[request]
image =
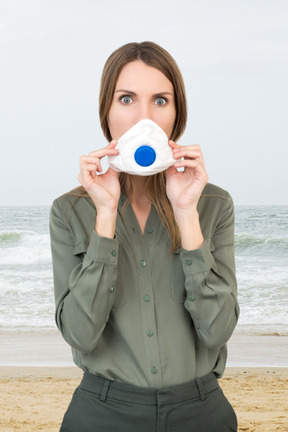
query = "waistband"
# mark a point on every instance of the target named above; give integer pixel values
(197, 388)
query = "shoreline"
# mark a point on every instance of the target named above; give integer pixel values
(38, 379)
(47, 348)
(74, 372)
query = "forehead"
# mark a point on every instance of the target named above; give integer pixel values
(138, 75)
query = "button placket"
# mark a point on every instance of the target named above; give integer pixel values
(147, 309)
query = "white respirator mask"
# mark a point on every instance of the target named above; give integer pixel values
(143, 150)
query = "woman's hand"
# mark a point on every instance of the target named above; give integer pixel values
(104, 189)
(184, 188)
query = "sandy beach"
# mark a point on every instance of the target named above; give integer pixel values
(37, 380)
(35, 398)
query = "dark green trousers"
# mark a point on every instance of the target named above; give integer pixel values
(100, 405)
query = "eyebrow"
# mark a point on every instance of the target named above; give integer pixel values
(134, 94)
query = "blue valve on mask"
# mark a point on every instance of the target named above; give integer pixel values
(143, 150)
(145, 156)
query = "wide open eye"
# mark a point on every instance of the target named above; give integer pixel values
(160, 101)
(126, 99)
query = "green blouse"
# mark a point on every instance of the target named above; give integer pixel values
(131, 310)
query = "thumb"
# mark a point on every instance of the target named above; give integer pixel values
(171, 171)
(112, 172)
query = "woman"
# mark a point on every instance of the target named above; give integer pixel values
(144, 269)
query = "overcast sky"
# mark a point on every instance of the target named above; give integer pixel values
(234, 59)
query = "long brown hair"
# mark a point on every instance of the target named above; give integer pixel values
(156, 56)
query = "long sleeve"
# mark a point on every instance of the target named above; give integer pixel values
(210, 281)
(130, 309)
(84, 282)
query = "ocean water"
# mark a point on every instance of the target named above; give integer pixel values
(26, 284)
(261, 236)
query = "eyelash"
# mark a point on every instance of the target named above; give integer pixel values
(128, 96)
(123, 97)
(164, 98)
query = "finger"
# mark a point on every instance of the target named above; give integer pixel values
(88, 168)
(106, 151)
(112, 172)
(112, 144)
(190, 163)
(191, 167)
(188, 152)
(87, 178)
(174, 145)
(194, 147)
(86, 161)
(171, 170)
(171, 143)
(84, 179)
(90, 165)
(88, 172)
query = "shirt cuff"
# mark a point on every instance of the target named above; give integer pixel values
(198, 260)
(103, 249)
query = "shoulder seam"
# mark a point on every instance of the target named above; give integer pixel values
(62, 213)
